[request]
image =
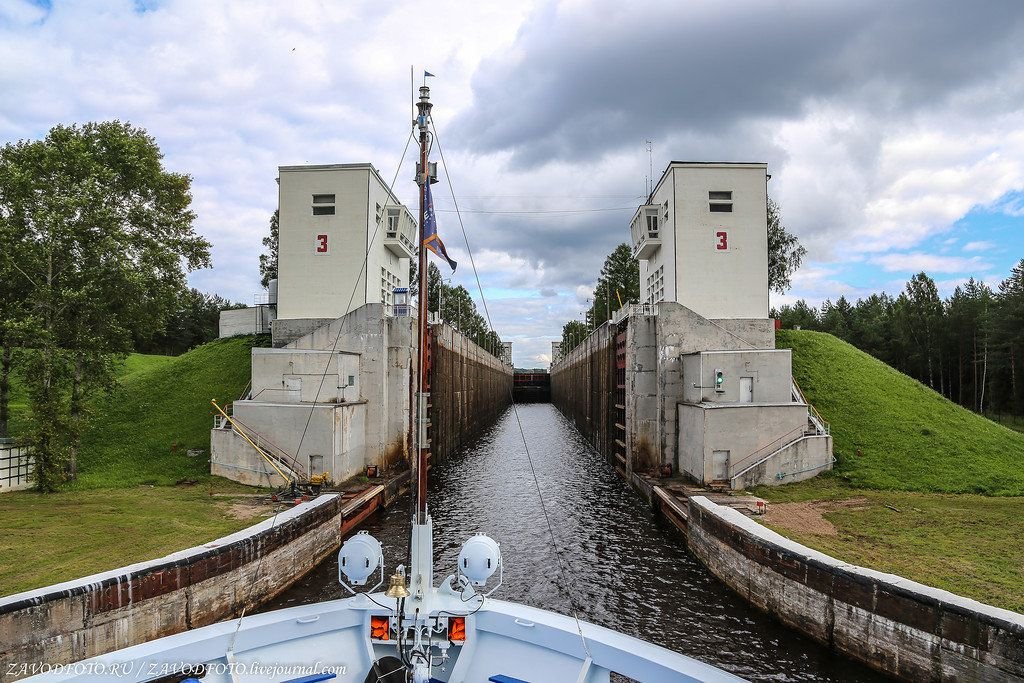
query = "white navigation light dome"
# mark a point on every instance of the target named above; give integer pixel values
(479, 558)
(359, 557)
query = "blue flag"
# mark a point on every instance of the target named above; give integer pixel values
(431, 240)
(427, 73)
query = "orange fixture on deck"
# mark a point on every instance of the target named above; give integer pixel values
(380, 628)
(457, 629)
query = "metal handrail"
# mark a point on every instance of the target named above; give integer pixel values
(769, 448)
(261, 443)
(815, 416)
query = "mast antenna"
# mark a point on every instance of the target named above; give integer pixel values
(650, 163)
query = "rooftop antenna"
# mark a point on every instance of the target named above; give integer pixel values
(650, 162)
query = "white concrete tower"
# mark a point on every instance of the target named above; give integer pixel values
(328, 216)
(702, 240)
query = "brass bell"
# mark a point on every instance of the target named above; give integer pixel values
(396, 587)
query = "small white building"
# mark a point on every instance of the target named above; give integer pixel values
(331, 217)
(702, 240)
(506, 352)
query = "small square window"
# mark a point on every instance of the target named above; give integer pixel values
(323, 199)
(720, 194)
(720, 208)
(323, 210)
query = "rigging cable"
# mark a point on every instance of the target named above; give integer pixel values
(566, 577)
(323, 377)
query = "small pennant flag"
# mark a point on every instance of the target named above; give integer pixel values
(427, 73)
(431, 240)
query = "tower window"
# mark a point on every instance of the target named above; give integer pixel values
(720, 201)
(323, 205)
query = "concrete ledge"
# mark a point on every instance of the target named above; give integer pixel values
(111, 610)
(897, 626)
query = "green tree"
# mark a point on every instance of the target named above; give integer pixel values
(619, 281)
(268, 259)
(920, 312)
(1008, 333)
(798, 316)
(457, 308)
(102, 234)
(785, 254)
(573, 332)
(195, 320)
(837, 318)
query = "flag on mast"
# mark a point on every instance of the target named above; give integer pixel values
(431, 240)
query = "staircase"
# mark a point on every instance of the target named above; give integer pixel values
(278, 458)
(815, 428)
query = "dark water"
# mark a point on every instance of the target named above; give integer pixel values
(625, 567)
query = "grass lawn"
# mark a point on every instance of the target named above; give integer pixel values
(58, 537)
(903, 495)
(124, 507)
(966, 544)
(893, 433)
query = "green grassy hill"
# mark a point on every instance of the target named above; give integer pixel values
(141, 431)
(892, 432)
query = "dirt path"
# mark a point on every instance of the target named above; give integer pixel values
(808, 517)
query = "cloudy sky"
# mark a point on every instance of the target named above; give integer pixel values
(894, 131)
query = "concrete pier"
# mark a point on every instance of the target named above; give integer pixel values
(336, 399)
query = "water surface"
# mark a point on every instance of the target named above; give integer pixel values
(625, 567)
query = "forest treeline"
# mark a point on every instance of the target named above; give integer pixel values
(968, 347)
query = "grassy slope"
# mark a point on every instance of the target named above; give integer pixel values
(140, 433)
(133, 364)
(909, 437)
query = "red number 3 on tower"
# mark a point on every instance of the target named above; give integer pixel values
(321, 244)
(723, 240)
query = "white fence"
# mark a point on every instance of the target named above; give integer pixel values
(15, 466)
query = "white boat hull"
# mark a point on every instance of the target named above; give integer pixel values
(502, 638)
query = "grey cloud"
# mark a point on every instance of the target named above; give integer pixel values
(577, 93)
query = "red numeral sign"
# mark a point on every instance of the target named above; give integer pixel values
(722, 243)
(321, 244)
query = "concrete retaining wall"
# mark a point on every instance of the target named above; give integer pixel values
(583, 388)
(469, 390)
(96, 614)
(890, 623)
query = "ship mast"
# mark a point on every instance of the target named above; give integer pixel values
(422, 395)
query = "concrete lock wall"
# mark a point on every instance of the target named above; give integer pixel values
(469, 390)
(97, 614)
(770, 371)
(583, 380)
(895, 625)
(583, 388)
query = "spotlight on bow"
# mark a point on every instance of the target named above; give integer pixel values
(479, 558)
(358, 559)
